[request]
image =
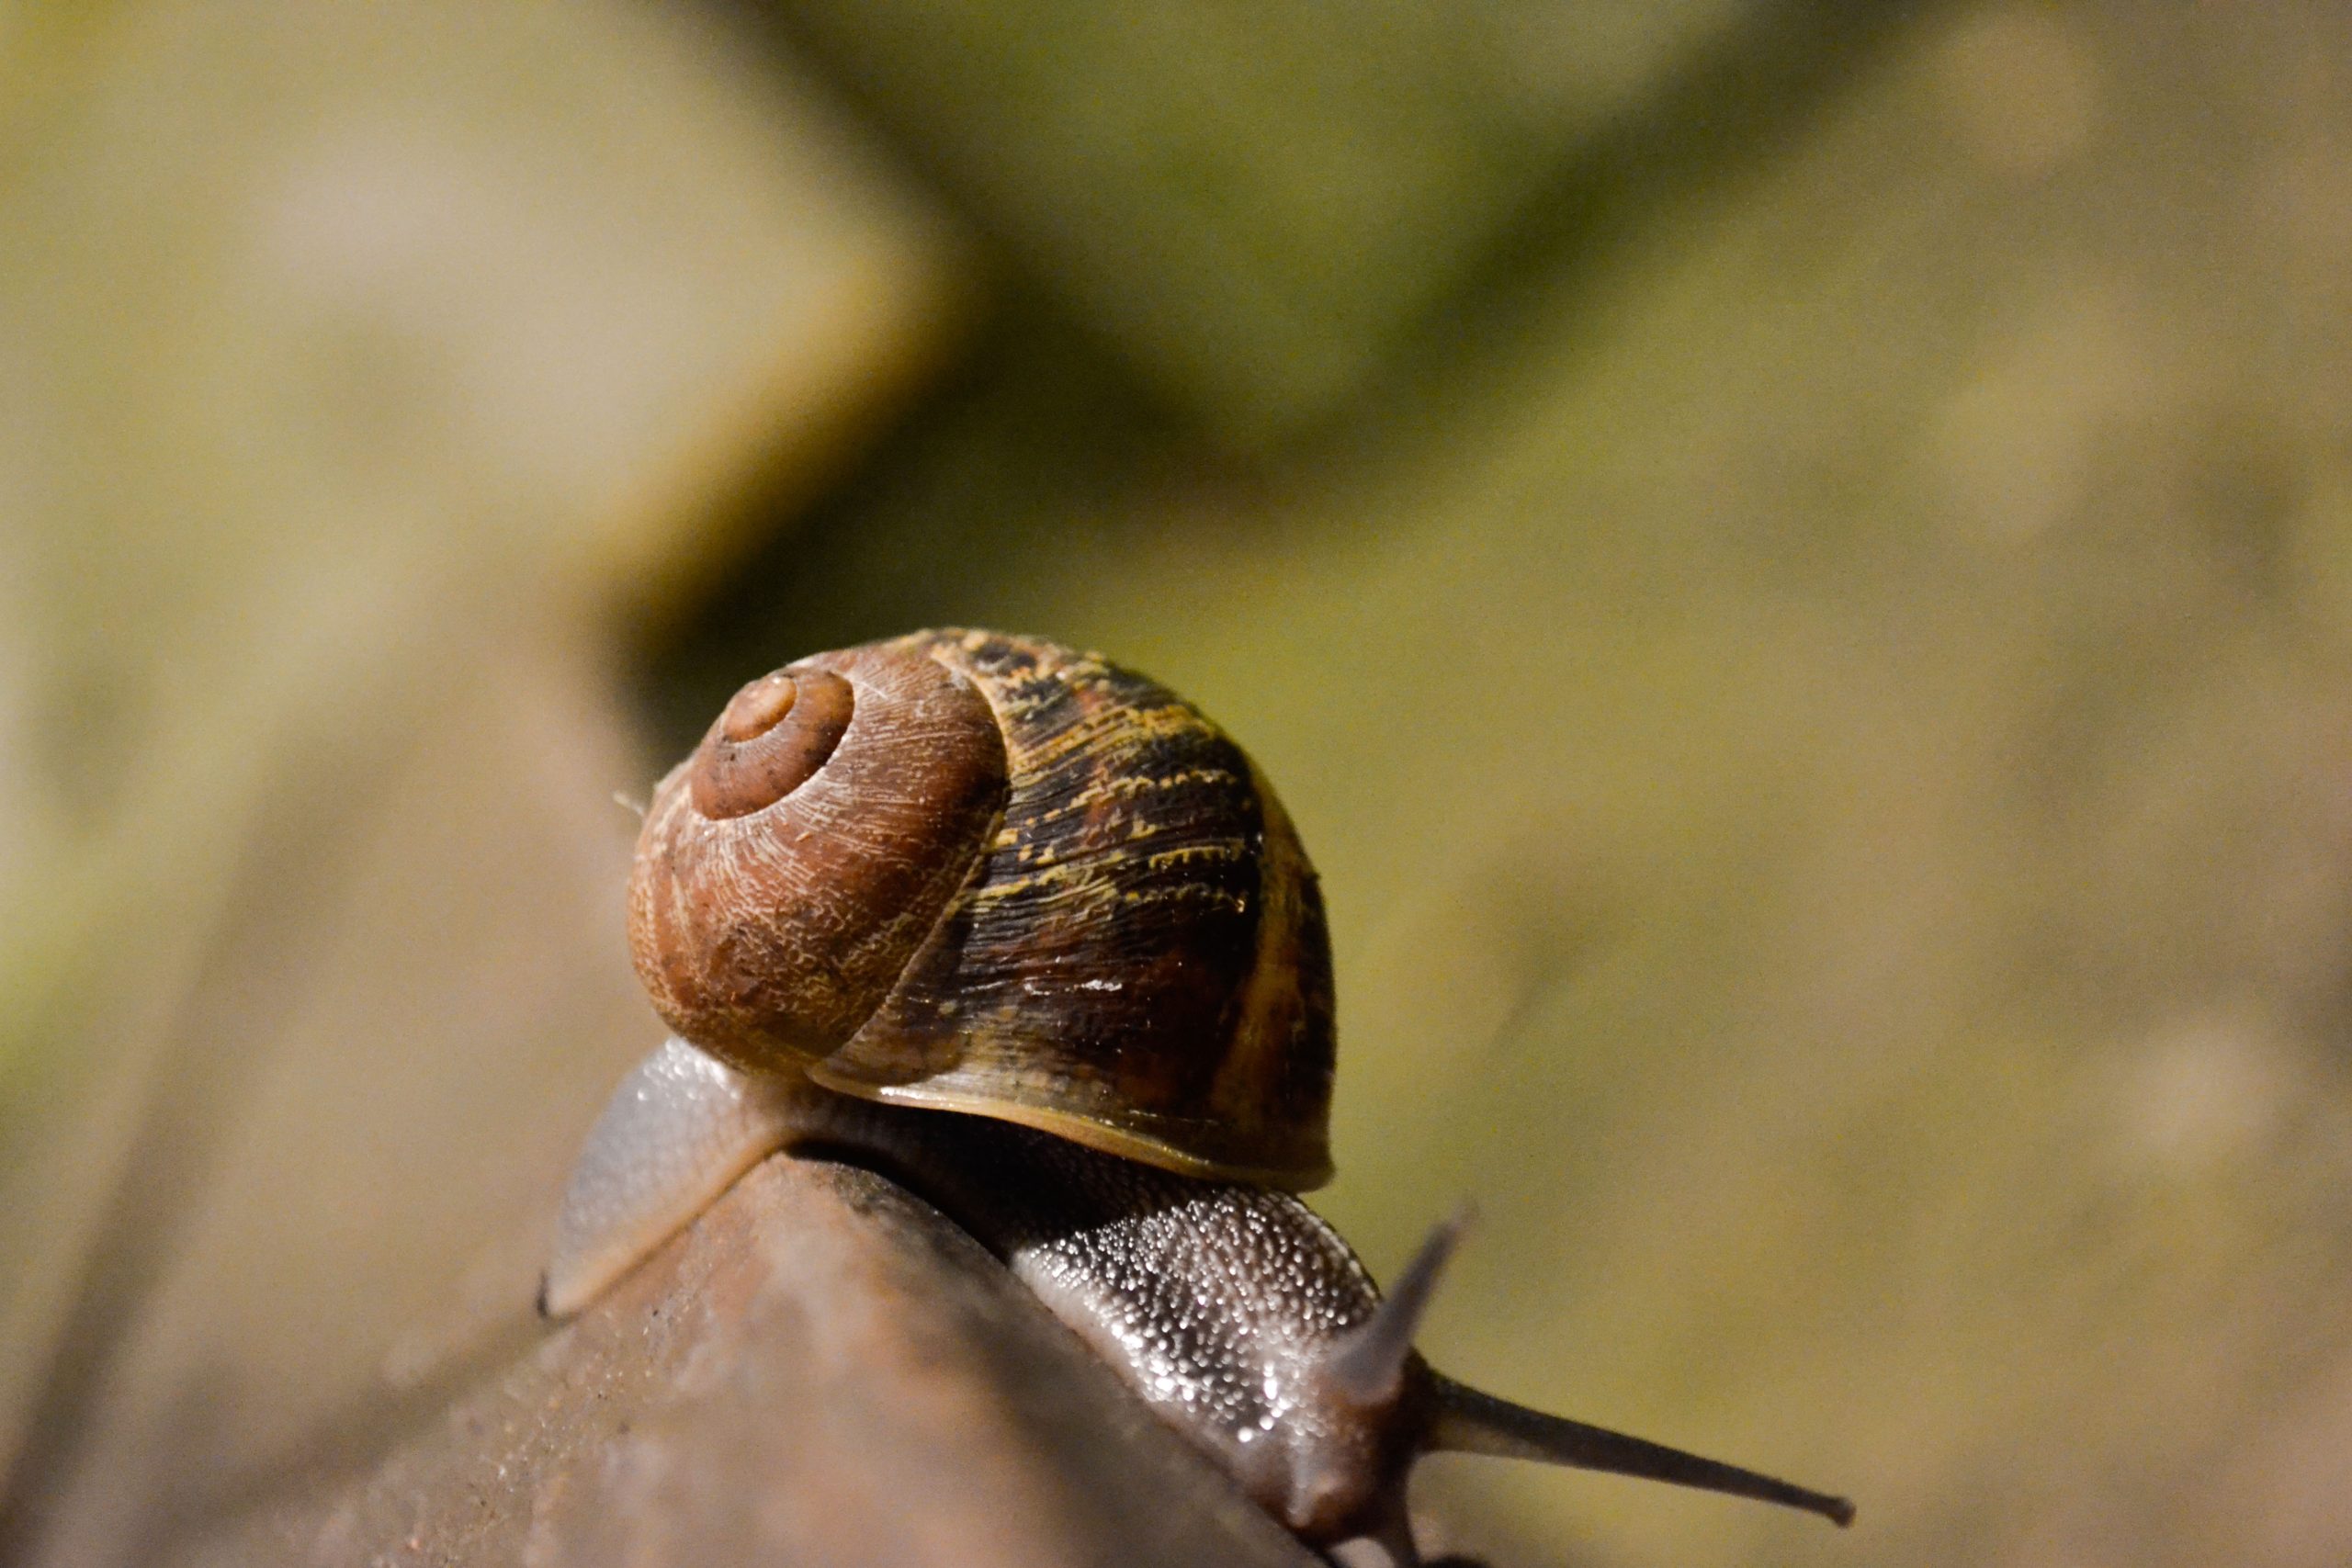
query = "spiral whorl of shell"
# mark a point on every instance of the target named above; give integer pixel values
(770, 934)
(1025, 883)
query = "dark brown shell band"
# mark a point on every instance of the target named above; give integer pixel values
(1141, 962)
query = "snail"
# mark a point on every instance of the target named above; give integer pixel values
(1031, 934)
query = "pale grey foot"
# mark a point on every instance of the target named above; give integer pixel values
(679, 1129)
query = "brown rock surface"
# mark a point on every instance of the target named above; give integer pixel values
(822, 1372)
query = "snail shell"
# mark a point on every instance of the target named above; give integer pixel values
(991, 874)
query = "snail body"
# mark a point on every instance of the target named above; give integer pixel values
(1031, 934)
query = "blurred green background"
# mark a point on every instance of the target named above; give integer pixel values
(1792, 562)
